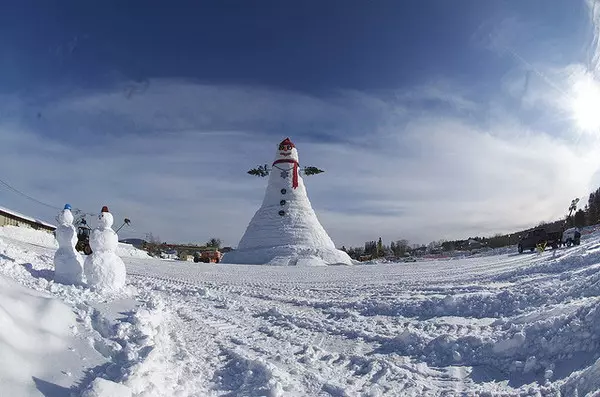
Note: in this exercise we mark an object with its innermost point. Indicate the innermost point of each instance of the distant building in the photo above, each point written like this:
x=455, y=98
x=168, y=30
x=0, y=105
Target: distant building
x=170, y=254
x=419, y=251
x=474, y=244
x=13, y=218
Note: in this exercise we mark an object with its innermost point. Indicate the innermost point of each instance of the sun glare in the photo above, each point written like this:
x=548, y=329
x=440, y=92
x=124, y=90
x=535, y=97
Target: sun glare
x=586, y=105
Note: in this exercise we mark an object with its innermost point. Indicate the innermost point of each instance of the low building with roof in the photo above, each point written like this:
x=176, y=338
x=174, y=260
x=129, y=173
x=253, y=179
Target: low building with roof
x=13, y=218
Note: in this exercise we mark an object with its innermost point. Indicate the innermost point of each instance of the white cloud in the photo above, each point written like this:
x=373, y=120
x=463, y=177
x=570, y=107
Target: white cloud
x=173, y=158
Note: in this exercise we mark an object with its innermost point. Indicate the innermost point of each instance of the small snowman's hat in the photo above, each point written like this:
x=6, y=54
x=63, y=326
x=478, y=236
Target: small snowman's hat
x=104, y=209
x=67, y=207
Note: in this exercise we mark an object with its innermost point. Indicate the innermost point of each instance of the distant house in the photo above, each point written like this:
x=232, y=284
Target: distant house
x=170, y=254
x=474, y=244
x=420, y=251
x=13, y=218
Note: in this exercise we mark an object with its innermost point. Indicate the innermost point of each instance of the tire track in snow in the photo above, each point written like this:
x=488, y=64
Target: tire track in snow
x=235, y=320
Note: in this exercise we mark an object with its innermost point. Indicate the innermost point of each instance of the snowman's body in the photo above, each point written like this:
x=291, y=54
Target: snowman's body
x=285, y=230
x=104, y=270
x=68, y=263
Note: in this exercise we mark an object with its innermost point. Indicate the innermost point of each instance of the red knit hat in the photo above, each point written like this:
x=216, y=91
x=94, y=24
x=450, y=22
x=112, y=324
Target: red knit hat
x=104, y=209
x=286, y=144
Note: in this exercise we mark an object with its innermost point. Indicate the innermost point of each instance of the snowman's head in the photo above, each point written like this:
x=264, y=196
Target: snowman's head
x=105, y=219
x=65, y=217
x=286, y=150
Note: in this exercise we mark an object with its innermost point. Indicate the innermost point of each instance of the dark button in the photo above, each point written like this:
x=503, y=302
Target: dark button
x=283, y=191
x=282, y=202
x=282, y=212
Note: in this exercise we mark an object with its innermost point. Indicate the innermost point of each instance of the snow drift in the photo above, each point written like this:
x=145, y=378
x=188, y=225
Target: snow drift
x=504, y=325
x=34, y=327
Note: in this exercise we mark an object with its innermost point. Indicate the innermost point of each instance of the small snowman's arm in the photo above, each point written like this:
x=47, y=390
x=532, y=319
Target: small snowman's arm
x=261, y=170
x=312, y=171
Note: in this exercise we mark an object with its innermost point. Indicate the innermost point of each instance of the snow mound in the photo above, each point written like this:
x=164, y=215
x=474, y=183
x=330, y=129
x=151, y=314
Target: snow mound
x=34, y=327
x=47, y=240
x=32, y=236
x=105, y=388
x=288, y=255
x=128, y=250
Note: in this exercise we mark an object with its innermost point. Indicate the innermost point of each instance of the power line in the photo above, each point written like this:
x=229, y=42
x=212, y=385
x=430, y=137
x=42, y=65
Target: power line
x=17, y=191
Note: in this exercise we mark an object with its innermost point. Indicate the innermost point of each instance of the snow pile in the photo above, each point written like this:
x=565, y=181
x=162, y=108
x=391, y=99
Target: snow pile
x=287, y=255
x=128, y=250
x=138, y=345
x=34, y=328
x=104, y=270
x=102, y=345
x=105, y=388
x=32, y=236
x=285, y=229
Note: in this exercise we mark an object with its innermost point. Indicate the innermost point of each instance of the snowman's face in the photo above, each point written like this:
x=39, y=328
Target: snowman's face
x=285, y=149
x=105, y=219
x=65, y=217
x=288, y=152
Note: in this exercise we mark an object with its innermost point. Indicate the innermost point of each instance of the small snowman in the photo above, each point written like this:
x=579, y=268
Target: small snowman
x=68, y=263
x=104, y=270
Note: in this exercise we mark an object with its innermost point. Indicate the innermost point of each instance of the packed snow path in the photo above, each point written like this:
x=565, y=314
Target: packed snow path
x=509, y=325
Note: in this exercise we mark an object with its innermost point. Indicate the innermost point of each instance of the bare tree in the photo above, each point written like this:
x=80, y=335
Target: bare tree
x=214, y=243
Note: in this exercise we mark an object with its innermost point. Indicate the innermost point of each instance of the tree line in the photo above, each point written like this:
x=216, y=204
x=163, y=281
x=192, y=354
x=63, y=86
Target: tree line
x=154, y=246
x=587, y=216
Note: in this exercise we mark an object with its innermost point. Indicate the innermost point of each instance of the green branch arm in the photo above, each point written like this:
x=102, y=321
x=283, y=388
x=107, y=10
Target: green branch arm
x=312, y=171
x=264, y=170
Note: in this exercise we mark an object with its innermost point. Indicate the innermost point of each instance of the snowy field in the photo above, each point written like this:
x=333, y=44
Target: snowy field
x=504, y=325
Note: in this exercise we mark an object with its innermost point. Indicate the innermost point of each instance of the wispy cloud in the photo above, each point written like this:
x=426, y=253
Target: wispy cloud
x=440, y=160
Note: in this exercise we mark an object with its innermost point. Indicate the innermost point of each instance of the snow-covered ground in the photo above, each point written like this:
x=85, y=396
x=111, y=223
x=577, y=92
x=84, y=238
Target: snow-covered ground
x=506, y=325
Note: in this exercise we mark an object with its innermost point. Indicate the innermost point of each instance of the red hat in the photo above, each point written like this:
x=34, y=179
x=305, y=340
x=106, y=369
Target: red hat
x=288, y=143
x=104, y=209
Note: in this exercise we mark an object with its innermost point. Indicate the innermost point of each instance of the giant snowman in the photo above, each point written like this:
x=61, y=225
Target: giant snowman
x=104, y=270
x=285, y=230
x=68, y=263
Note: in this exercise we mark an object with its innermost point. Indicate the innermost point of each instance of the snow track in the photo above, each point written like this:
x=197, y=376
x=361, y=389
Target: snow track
x=500, y=324
x=506, y=325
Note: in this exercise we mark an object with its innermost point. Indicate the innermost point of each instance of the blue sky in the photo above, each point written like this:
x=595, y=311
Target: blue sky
x=432, y=119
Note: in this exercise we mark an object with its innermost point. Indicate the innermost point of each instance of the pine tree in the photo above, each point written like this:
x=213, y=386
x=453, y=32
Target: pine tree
x=579, y=218
x=593, y=208
x=380, y=252
x=370, y=248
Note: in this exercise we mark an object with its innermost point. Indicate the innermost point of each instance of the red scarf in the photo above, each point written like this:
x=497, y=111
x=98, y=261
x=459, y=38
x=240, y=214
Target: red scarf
x=295, y=176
